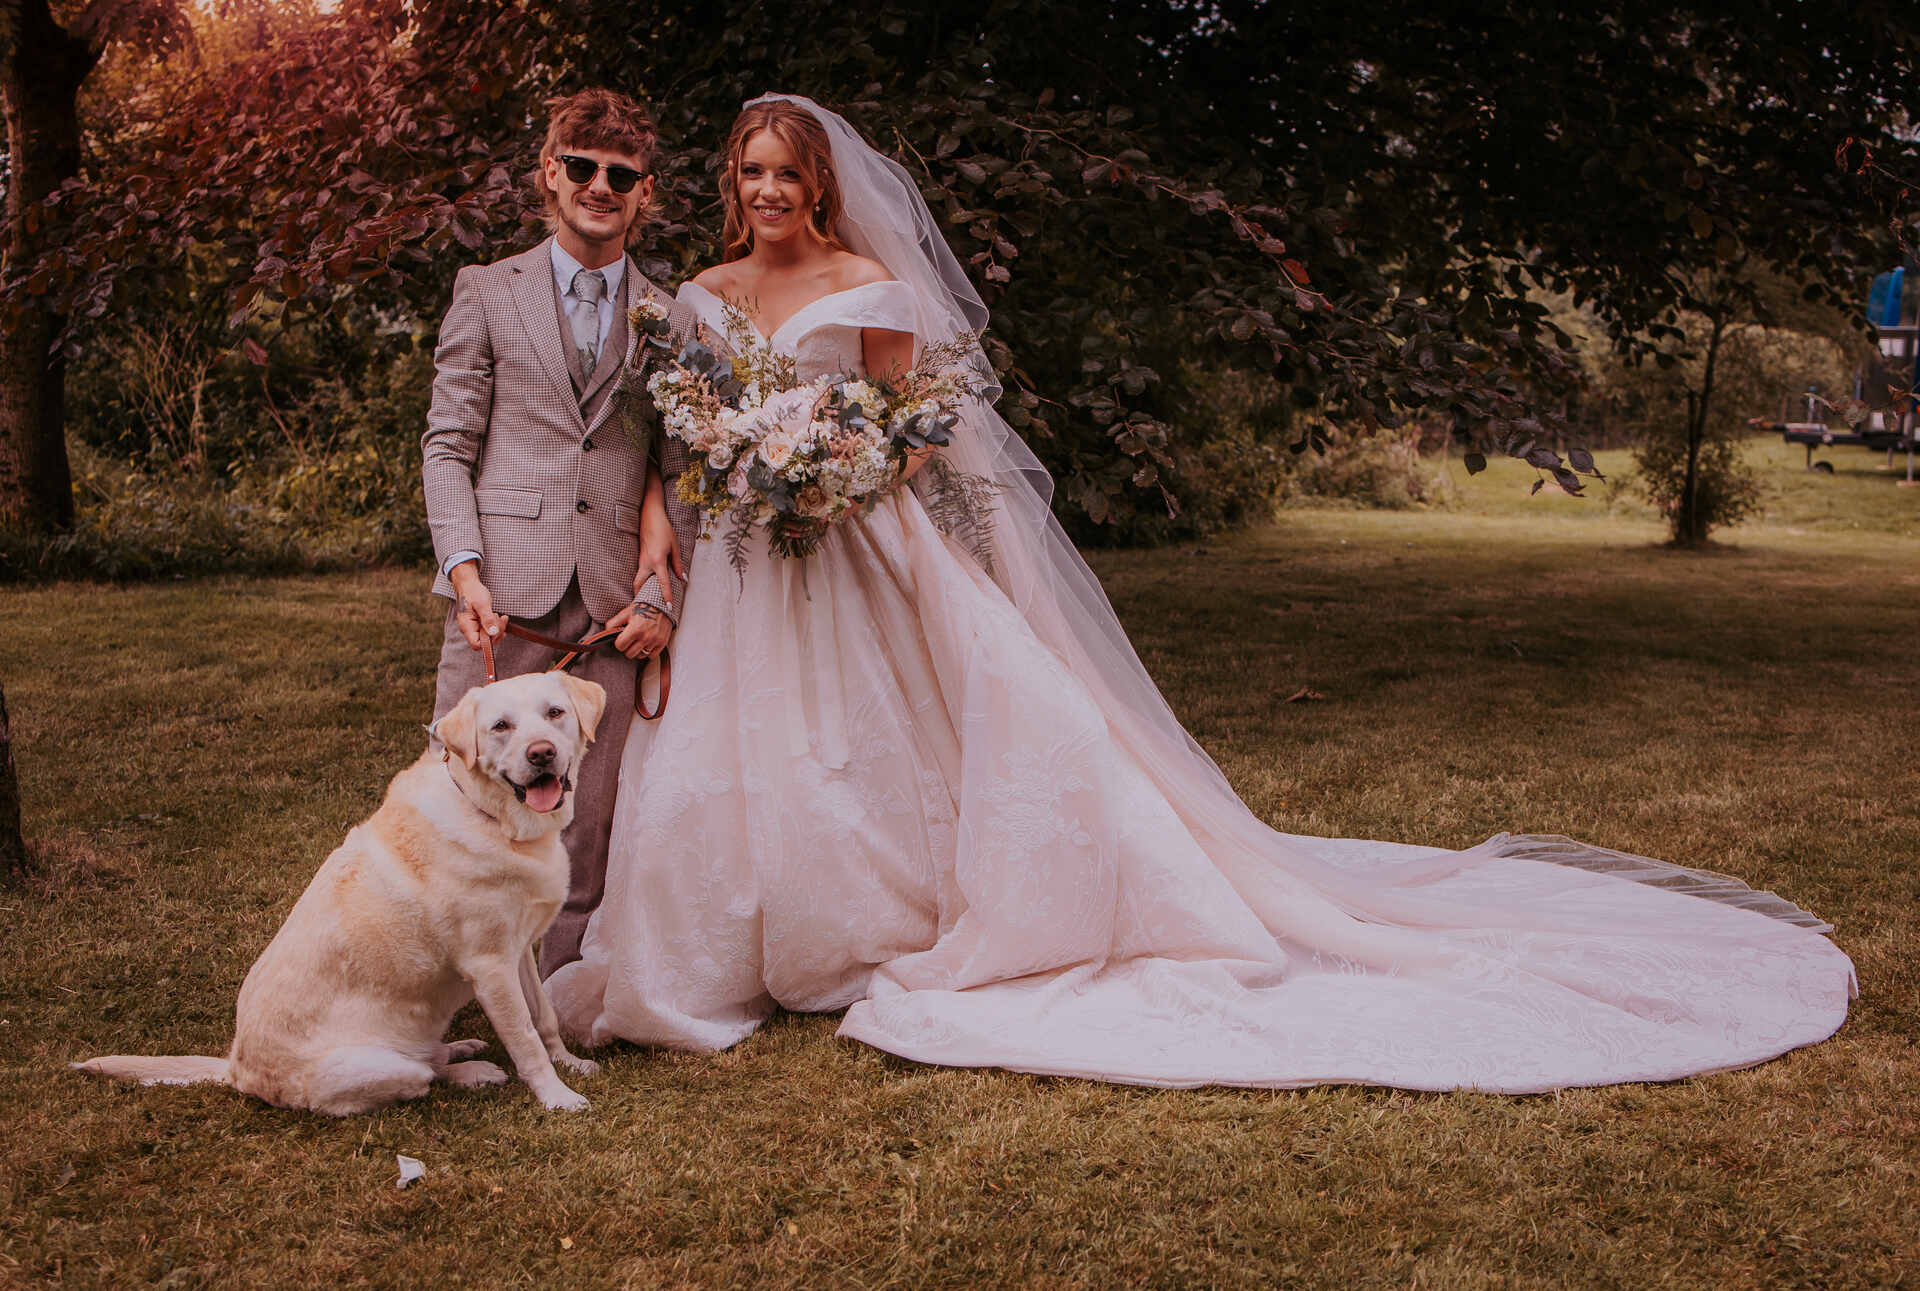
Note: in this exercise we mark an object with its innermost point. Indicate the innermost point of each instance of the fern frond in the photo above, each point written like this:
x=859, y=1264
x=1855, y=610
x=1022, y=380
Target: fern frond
x=961, y=506
x=741, y=520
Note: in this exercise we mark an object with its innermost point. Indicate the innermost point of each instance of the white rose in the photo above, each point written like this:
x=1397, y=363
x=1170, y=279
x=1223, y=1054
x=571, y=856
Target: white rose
x=776, y=450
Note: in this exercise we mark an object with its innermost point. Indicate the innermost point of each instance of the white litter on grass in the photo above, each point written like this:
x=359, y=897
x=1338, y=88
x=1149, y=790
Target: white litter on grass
x=409, y=1170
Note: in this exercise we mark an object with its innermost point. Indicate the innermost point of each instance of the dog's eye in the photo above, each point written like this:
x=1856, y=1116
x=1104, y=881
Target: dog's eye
x=555, y=714
x=503, y=725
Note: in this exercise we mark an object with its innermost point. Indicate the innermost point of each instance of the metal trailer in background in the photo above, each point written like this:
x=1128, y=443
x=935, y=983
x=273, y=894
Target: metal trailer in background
x=1891, y=431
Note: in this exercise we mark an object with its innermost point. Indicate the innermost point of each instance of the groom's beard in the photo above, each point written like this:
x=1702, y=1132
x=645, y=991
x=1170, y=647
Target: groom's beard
x=596, y=237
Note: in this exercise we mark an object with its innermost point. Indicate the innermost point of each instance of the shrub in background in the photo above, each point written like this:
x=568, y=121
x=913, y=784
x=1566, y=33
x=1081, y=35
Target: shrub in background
x=314, y=464
x=1726, y=489
x=1384, y=470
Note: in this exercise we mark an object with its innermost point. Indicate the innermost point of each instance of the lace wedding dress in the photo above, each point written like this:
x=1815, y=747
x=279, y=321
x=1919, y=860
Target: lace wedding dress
x=889, y=784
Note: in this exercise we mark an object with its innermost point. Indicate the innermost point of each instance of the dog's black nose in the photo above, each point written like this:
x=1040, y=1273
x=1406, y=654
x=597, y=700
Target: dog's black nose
x=541, y=754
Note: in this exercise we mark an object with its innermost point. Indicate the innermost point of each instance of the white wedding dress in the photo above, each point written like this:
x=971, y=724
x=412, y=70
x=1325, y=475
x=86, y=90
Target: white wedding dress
x=877, y=788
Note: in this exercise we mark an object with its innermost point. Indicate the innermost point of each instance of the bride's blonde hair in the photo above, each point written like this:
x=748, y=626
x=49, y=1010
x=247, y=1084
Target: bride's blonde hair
x=813, y=158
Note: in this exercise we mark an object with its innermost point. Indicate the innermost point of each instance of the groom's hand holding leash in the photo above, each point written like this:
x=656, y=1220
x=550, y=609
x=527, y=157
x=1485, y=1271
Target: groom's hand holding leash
x=644, y=631
x=475, y=613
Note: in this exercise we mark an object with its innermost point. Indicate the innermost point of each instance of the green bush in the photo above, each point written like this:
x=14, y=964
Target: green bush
x=1383, y=469
x=145, y=523
x=358, y=492
x=344, y=491
x=1726, y=488
x=1232, y=475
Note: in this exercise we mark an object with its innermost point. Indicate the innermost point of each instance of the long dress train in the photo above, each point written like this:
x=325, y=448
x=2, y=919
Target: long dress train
x=878, y=789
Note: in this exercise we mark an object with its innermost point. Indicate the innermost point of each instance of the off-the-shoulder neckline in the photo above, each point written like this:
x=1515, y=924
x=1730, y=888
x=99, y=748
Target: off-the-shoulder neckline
x=799, y=313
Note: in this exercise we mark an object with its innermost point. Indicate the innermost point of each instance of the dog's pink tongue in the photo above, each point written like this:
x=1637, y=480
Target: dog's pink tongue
x=545, y=793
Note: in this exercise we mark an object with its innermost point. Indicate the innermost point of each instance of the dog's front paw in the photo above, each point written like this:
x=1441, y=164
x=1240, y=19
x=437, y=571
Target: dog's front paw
x=475, y=1073
x=465, y=1049
x=579, y=1066
x=561, y=1099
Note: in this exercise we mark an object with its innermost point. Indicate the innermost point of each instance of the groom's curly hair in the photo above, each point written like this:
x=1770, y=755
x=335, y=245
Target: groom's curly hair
x=604, y=120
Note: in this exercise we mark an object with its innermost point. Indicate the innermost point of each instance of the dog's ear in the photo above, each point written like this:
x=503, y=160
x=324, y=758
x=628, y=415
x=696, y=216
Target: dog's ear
x=589, y=703
x=455, y=730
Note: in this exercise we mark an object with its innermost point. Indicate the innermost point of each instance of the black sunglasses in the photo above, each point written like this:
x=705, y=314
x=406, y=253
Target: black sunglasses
x=581, y=170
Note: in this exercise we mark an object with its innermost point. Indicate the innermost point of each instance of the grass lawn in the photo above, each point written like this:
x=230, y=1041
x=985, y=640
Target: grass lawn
x=190, y=752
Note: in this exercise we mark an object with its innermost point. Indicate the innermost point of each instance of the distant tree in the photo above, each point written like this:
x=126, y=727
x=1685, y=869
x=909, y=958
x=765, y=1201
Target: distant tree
x=1692, y=471
x=43, y=63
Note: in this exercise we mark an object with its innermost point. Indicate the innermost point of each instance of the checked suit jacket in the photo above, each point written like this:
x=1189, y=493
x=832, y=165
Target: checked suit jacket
x=539, y=468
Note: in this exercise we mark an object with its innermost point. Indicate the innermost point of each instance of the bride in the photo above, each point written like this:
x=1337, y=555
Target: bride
x=942, y=794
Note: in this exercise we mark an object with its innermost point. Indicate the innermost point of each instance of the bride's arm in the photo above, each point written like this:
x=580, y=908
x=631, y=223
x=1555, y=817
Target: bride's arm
x=889, y=354
x=915, y=460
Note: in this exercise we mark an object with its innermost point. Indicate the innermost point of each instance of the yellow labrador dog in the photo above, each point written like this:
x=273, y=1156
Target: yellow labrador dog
x=434, y=900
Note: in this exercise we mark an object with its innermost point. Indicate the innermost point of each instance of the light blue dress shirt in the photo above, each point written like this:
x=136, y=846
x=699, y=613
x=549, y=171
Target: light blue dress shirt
x=565, y=266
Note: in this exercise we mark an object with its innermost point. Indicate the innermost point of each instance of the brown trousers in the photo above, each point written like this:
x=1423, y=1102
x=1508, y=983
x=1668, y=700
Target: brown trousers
x=462, y=668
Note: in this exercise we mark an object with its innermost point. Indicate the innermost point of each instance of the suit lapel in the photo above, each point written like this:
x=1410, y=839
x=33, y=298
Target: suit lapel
x=567, y=347
x=533, y=297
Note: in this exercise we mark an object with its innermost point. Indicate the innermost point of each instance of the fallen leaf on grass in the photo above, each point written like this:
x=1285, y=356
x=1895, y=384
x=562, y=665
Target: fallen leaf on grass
x=1305, y=692
x=410, y=1170
x=566, y=1243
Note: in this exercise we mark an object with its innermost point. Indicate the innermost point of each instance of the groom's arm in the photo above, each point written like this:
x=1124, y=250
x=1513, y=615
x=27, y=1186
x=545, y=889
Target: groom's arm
x=457, y=423
x=659, y=507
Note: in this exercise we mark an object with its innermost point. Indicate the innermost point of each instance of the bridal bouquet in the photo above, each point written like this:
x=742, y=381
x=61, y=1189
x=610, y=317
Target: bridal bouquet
x=769, y=450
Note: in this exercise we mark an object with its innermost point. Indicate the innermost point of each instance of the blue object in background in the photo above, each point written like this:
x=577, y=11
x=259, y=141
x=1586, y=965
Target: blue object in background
x=1883, y=298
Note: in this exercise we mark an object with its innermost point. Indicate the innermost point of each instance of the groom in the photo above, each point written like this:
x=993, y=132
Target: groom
x=534, y=476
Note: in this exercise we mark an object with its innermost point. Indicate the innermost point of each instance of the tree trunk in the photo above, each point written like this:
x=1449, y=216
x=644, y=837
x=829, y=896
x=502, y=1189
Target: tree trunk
x=1690, y=521
x=15, y=861
x=41, y=69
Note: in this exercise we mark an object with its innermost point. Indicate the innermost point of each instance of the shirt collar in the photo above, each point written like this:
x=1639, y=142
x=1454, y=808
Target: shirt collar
x=565, y=266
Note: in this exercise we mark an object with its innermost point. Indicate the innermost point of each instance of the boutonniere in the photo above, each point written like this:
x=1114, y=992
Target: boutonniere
x=647, y=320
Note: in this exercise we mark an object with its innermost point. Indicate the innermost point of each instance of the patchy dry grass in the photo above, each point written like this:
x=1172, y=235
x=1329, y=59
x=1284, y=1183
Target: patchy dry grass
x=191, y=752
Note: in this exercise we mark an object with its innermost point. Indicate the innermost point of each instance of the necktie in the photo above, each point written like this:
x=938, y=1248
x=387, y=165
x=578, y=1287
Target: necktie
x=583, y=316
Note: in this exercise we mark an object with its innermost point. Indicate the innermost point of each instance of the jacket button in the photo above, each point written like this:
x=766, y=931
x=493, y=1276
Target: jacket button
x=586, y=445
x=582, y=506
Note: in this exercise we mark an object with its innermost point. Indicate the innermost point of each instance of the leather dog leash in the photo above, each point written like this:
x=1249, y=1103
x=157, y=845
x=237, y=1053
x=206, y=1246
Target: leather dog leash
x=572, y=651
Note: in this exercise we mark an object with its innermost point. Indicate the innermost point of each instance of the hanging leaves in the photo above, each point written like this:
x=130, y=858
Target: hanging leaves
x=1180, y=198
